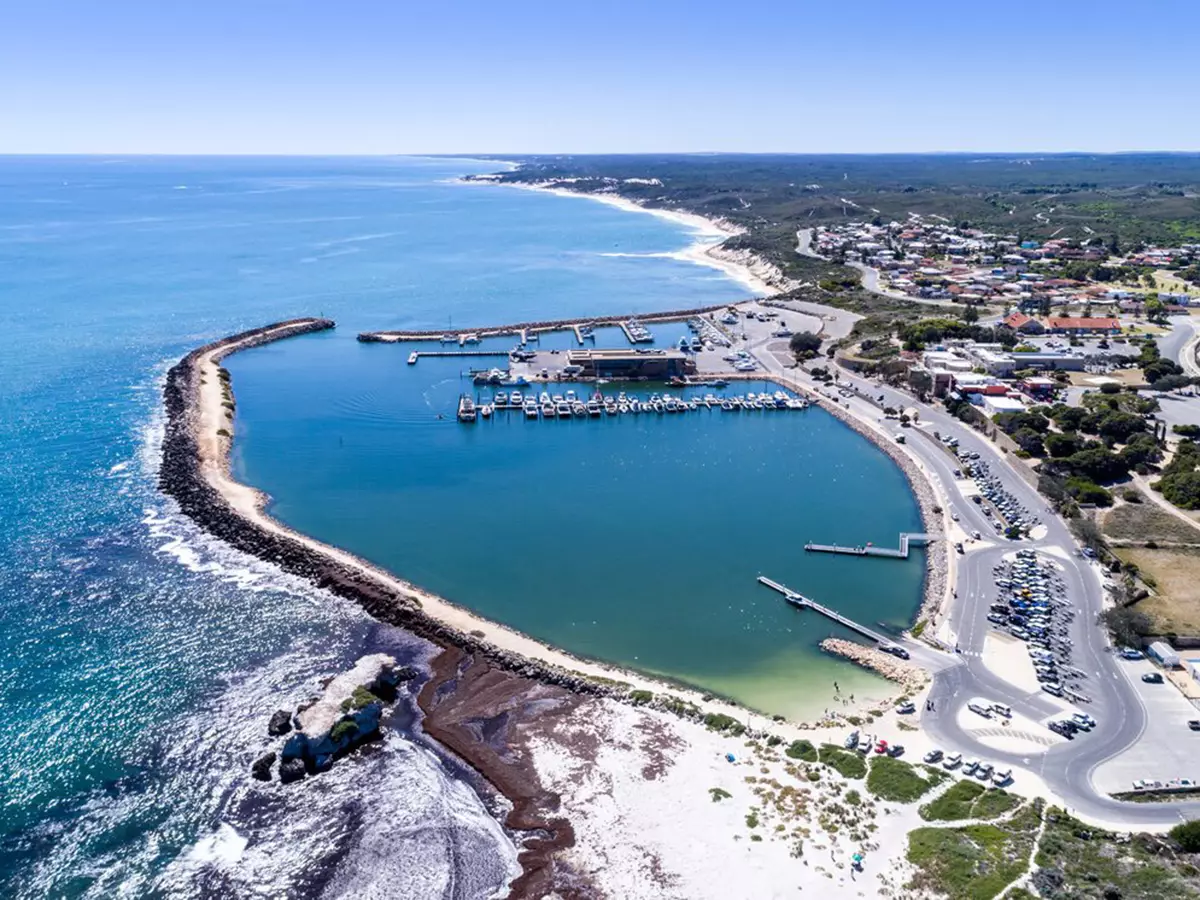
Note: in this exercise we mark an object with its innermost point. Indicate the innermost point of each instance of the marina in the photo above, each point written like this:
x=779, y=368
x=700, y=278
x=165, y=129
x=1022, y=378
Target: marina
x=570, y=404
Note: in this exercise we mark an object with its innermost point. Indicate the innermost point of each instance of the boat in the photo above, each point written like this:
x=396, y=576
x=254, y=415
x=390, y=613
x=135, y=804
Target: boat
x=657, y=406
x=578, y=409
x=697, y=345
x=571, y=398
x=544, y=398
x=670, y=405
x=516, y=398
x=449, y=338
x=563, y=408
x=500, y=400
x=610, y=407
x=470, y=339
x=547, y=409
x=594, y=408
x=413, y=357
x=623, y=408
x=726, y=405
x=531, y=409
x=466, y=409
x=684, y=344
x=486, y=410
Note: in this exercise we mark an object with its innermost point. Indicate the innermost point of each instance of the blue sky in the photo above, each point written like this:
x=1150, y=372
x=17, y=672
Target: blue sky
x=363, y=76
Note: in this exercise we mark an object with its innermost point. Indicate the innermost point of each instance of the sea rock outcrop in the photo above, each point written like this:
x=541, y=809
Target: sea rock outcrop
x=261, y=768
x=280, y=724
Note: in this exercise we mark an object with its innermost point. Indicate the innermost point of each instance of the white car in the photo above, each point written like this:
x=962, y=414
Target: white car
x=952, y=761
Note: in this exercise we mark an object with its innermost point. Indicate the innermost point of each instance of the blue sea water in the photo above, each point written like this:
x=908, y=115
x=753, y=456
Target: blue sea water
x=140, y=660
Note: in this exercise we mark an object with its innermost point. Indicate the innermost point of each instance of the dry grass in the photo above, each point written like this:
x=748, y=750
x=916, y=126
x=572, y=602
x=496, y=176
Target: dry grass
x=1175, y=606
x=1124, y=376
x=1147, y=522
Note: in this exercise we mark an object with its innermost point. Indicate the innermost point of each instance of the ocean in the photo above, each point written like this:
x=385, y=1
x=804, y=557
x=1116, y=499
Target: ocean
x=141, y=659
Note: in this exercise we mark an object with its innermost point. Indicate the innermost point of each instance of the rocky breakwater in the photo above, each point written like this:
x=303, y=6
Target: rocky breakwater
x=906, y=674
x=346, y=715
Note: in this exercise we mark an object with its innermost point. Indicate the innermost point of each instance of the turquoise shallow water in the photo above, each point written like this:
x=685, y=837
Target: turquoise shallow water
x=140, y=660
x=632, y=539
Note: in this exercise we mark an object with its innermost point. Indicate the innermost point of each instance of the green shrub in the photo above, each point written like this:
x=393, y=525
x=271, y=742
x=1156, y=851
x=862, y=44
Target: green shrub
x=1187, y=835
x=342, y=728
x=640, y=697
x=724, y=724
x=802, y=750
x=895, y=780
x=848, y=764
x=718, y=794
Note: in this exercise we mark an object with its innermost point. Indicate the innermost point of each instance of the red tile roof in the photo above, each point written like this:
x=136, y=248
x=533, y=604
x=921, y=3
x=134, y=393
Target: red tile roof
x=1082, y=323
x=1016, y=320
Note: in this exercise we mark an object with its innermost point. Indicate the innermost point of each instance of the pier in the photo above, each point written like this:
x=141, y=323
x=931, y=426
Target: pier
x=417, y=354
x=906, y=539
x=801, y=602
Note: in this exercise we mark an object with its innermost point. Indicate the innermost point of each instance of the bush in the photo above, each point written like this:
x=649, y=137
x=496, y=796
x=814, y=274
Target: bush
x=804, y=344
x=718, y=794
x=1110, y=387
x=640, y=697
x=802, y=750
x=1187, y=431
x=724, y=724
x=895, y=780
x=1187, y=835
x=848, y=764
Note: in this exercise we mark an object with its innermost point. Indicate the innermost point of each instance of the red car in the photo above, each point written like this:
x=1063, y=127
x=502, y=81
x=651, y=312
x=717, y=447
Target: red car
x=881, y=747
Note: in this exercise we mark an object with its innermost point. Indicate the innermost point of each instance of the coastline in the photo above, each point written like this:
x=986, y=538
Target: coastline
x=742, y=266
x=538, y=699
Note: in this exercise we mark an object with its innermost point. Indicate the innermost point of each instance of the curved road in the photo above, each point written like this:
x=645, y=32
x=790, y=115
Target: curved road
x=1066, y=767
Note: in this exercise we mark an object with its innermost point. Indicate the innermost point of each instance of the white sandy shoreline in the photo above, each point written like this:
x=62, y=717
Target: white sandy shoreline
x=759, y=276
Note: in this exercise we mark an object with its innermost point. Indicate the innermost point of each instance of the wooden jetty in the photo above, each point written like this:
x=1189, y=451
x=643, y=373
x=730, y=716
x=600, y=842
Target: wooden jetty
x=801, y=602
x=907, y=539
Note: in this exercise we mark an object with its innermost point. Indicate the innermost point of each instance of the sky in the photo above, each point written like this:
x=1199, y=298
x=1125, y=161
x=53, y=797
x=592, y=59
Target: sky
x=576, y=76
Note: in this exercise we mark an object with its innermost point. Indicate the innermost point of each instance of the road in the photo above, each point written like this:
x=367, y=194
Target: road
x=1066, y=767
x=870, y=276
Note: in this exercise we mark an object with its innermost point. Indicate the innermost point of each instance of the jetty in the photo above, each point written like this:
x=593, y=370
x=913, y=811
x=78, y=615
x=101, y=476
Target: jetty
x=907, y=539
x=417, y=354
x=799, y=601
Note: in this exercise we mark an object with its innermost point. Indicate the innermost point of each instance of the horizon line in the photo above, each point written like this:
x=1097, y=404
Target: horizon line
x=487, y=155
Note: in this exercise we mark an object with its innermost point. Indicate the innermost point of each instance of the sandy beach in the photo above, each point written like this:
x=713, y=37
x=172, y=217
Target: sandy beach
x=759, y=276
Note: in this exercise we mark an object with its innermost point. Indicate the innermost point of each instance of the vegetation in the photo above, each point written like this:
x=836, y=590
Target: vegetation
x=724, y=724
x=1187, y=836
x=1180, y=482
x=802, y=750
x=969, y=800
x=1126, y=626
x=1077, y=862
x=974, y=862
x=359, y=699
x=805, y=345
x=897, y=781
x=342, y=729
x=641, y=697
x=719, y=794
x=847, y=763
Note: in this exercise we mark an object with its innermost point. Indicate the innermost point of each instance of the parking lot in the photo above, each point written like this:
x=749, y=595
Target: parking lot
x=1167, y=749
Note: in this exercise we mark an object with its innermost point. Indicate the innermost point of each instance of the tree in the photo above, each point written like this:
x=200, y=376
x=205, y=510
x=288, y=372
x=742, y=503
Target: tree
x=1063, y=445
x=1088, y=533
x=1030, y=441
x=1183, y=489
x=1170, y=383
x=970, y=314
x=1126, y=625
x=805, y=344
x=1120, y=426
x=920, y=381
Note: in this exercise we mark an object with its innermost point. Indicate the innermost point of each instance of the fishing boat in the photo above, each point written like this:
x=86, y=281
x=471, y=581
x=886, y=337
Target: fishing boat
x=466, y=409
x=413, y=357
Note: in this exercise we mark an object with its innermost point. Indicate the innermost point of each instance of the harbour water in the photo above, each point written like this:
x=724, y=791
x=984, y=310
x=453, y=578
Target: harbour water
x=141, y=660
x=632, y=539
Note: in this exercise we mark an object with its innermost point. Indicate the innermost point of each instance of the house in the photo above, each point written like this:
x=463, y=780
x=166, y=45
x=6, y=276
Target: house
x=1023, y=324
x=1081, y=325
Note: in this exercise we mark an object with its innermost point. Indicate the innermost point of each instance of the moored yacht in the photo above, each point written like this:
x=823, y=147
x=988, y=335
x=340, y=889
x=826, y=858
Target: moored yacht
x=466, y=409
x=531, y=409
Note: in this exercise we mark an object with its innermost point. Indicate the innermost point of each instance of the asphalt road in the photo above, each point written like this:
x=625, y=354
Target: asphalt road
x=1065, y=767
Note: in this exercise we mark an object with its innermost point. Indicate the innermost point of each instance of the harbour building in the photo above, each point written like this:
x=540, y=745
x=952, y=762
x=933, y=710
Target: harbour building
x=620, y=364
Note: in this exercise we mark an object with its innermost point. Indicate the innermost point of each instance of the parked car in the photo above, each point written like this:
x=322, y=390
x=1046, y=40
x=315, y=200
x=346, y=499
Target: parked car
x=933, y=756
x=1153, y=678
x=1194, y=724
x=954, y=760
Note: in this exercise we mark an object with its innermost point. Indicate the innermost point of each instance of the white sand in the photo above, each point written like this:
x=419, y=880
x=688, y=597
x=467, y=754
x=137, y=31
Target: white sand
x=756, y=274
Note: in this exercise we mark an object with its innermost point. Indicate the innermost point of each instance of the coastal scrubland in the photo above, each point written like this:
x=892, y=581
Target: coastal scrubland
x=1130, y=197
